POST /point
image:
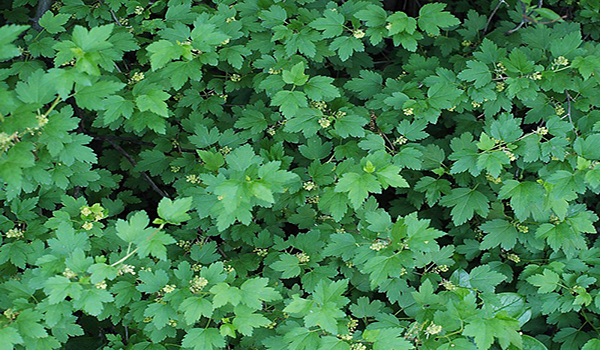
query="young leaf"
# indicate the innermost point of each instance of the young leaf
(175, 212)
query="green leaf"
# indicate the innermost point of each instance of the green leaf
(397, 100)
(525, 198)
(484, 279)
(493, 162)
(203, 339)
(367, 85)
(346, 46)
(373, 15)
(8, 34)
(592, 344)
(567, 184)
(546, 282)
(432, 17)
(587, 66)
(350, 125)
(9, 337)
(477, 72)
(502, 328)
(206, 37)
(413, 131)
(116, 107)
(400, 22)
(163, 52)
(59, 287)
(358, 187)
(320, 88)
(235, 55)
(562, 237)
(175, 212)
(588, 147)
(287, 264)
(135, 229)
(92, 300)
(195, 307)
(334, 203)
(364, 308)
(295, 75)
(246, 320)
(101, 271)
(96, 39)
(154, 101)
(331, 24)
(153, 281)
(155, 245)
(212, 161)
(289, 102)
(225, 294)
(387, 338)
(465, 202)
(255, 291)
(389, 176)
(547, 13)
(253, 120)
(499, 233)
(94, 96)
(54, 24)
(324, 316)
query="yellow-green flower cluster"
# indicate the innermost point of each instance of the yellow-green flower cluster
(303, 257)
(379, 245)
(14, 233)
(197, 284)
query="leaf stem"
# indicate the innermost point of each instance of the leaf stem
(129, 254)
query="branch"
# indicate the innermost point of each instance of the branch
(526, 15)
(132, 140)
(112, 13)
(121, 138)
(143, 173)
(43, 6)
(492, 15)
(569, 99)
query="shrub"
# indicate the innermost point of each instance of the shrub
(299, 175)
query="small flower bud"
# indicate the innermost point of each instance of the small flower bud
(324, 122)
(69, 274)
(358, 33)
(169, 288)
(197, 284)
(14, 233)
(433, 329)
(377, 246)
(303, 257)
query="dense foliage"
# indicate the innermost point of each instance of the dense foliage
(299, 174)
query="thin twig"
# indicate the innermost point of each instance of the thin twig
(569, 99)
(112, 13)
(121, 138)
(526, 15)
(218, 248)
(492, 15)
(133, 140)
(143, 173)
(516, 28)
(43, 6)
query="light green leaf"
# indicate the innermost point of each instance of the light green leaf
(295, 75)
(175, 212)
(432, 17)
(203, 339)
